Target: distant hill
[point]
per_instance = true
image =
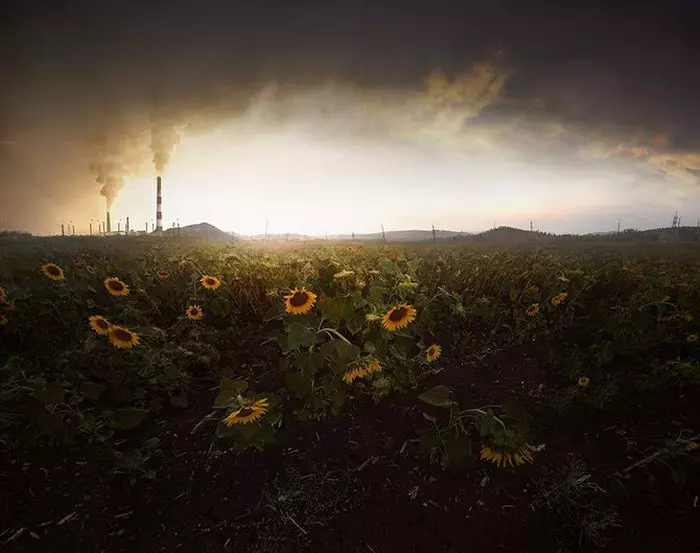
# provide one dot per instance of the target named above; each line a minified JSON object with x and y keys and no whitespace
{"x":202,"y":230}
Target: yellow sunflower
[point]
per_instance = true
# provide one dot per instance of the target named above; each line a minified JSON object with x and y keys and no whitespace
{"x":361,"y":371}
{"x":210,"y":282}
{"x":122,"y":338}
{"x":299,"y":301}
{"x":584,"y":381}
{"x":514,"y":458}
{"x":560,"y":297}
{"x":116,"y":287}
{"x":433,"y":353}
{"x":692,"y":338}
{"x":99,"y":324}
{"x":398,"y":317}
{"x":533,"y":310}
{"x":53,"y":271}
{"x":163,"y":274}
{"x":194,"y":313}
{"x":3,"y":320}
{"x":248,"y":413}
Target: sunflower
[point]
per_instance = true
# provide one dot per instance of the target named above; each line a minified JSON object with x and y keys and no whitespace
{"x":687,"y":317}
{"x":299,"y":301}
{"x":533,"y":310}
{"x":361,"y":371}
{"x":116,"y":287}
{"x":692,"y":338}
{"x":5,"y":305}
{"x":3,"y":320}
{"x":122,"y":338}
{"x":398,"y":317}
{"x":248,"y":413}
{"x":584,"y":381}
{"x":53,"y":271}
{"x":514,"y":458}
{"x":163,"y":274}
{"x":99,"y":324}
{"x":433,"y":353}
{"x":371,"y":317}
{"x":210,"y":282}
{"x":90,"y":269}
{"x":560,"y":297}
{"x":194,"y":313}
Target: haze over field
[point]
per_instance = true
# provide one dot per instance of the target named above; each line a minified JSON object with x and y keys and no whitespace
{"x":331,"y":117}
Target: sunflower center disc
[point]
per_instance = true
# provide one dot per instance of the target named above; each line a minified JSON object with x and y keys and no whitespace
{"x":299,"y":299}
{"x":397,"y":314}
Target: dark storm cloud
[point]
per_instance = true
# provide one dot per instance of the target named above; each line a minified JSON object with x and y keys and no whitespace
{"x":92,"y":74}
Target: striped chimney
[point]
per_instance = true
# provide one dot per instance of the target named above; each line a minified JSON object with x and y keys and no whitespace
{"x":159,"y":206}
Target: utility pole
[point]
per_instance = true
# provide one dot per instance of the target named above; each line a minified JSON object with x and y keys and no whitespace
{"x":434,"y":238}
{"x":618,"y":226}
{"x":383,"y":234}
{"x":530,"y":225}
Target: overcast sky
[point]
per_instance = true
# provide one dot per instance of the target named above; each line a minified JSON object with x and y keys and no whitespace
{"x":338,"y":116}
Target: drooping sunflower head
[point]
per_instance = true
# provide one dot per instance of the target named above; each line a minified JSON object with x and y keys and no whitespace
{"x":116,"y":287}
{"x":299,"y":301}
{"x":99,"y":324}
{"x":559,"y":298}
{"x":433,"y":353}
{"x":53,"y":271}
{"x":512,"y":456}
{"x":248,"y":413}
{"x":122,"y":338}
{"x":194,"y":313}
{"x":210,"y":282}
{"x":692,"y":338}
{"x":533,"y":310}
{"x":3,"y":320}
{"x":584,"y":381}
{"x":398,"y":317}
{"x":163,"y":274}
{"x":360,"y":371}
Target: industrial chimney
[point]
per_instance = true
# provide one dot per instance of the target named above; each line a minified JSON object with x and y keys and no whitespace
{"x":159,"y":206}
{"x":127,"y":225}
{"x":109,"y":224}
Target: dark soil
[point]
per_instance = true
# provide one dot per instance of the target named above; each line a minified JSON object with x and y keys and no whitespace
{"x":360,"y":484}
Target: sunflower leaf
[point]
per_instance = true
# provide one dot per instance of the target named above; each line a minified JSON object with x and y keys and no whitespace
{"x":438,"y":396}
{"x":91,"y":390}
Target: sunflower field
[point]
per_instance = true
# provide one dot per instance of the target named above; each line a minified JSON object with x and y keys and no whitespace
{"x":538,"y":399}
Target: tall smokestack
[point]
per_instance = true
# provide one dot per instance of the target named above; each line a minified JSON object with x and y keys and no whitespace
{"x":127,"y":225}
{"x":109,"y":224}
{"x":159,"y":206}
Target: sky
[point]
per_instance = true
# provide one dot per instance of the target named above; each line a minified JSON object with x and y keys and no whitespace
{"x":340,"y":116}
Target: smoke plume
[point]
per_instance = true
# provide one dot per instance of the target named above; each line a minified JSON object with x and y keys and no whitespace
{"x":165,"y":135}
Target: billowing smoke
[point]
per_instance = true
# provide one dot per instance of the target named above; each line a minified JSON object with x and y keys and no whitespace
{"x":118,"y":149}
{"x":165,"y":135}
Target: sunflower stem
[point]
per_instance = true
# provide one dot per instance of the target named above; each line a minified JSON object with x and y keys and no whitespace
{"x":336,"y":333}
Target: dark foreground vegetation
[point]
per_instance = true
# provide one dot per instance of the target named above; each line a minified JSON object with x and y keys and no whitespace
{"x":406,"y":398}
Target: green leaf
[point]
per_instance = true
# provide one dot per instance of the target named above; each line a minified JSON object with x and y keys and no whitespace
{"x":91,"y":390}
{"x":225,"y":431}
{"x":438,"y":396}
{"x":275,"y":311}
{"x":514,"y":410}
{"x":386,"y":267}
{"x":228,"y":391}
{"x":339,"y":309}
{"x":129,"y":417}
{"x":299,"y":335}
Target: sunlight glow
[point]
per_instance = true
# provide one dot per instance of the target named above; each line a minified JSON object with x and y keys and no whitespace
{"x":237,"y":176}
